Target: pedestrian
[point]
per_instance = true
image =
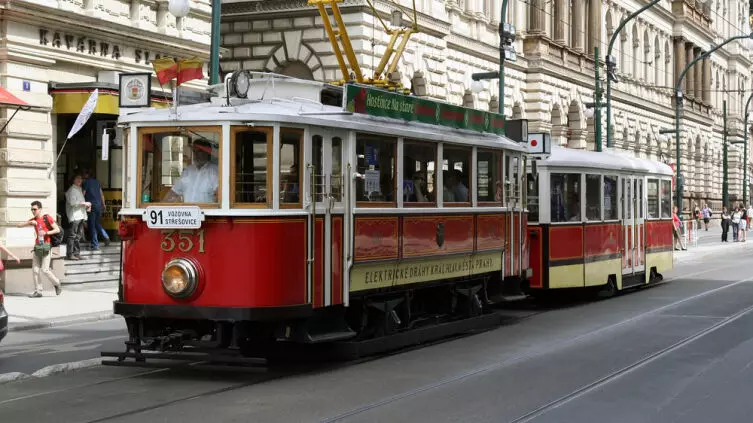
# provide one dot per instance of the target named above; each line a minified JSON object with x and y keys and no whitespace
{"x":44,"y":226}
{"x":736,"y":224}
{"x":676,"y":230}
{"x":76,"y":209}
{"x":726,"y":218}
{"x":750,"y":216}
{"x":743,"y":224}
{"x":706,"y":212}
{"x":94,"y":195}
{"x":8,"y":252}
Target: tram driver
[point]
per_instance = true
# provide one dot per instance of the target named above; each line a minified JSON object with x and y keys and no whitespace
{"x":199,"y":181}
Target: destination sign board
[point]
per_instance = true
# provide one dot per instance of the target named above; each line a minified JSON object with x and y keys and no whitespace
{"x":375,"y":102}
{"x":178,"y":217}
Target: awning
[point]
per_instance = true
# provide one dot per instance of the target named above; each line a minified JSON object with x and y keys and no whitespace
{"x":8,"y":99}
{"x":70,"y":98}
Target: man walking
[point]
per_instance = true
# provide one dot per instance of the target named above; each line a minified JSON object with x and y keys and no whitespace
{"x":76,"y":211}
{"x":44,"y":226}
{"x":94,"y":195}
{"x":706,"y":212}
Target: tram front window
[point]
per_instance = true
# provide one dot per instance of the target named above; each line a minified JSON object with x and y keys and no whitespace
{"x":180,"y":166}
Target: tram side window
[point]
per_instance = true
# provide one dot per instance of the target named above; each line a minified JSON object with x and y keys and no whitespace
{"x":666,"y":199}
{"x":532,"y":182}
{"x":456,"y":174}
{"x":419,"y":173}
{"x":180,"y":166}
{"x":376,"y":162}
{"x":290,"y":161}
{"x":593,"y":197}
{"x":565,"y":201}
{"x":610,"y":198}
{"x":512,"y":179}
{"x":653,"y":198}
{"x":489,"y":176}
{"x":251,"y":148}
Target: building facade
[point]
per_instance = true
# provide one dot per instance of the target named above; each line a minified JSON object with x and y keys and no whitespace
{"x":553,"y":76}
{"x":54,"y":55}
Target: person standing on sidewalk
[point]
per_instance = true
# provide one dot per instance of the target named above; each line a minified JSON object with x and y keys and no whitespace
{"x":706,"y":212}
{"x":94,"y":195}
{"x":750,"y":215}
{"x":676,"y":229}
{"x":44,"y":226}
{"x":736,"y":223}
{"x":743,"y":224}
{"x":725,"y":223}
{"x":77,"y":207}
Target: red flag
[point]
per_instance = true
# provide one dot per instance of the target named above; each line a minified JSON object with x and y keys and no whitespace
{"x":190,"y":69}
{"x":165,"y":68}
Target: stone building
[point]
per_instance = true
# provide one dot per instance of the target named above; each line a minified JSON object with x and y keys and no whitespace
{"x":553,"y":76}
{"x":53,"y":55}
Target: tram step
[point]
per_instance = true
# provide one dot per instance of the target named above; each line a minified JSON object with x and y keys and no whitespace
{"x":102,"y":261}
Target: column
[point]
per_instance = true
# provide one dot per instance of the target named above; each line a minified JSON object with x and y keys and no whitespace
{"x":577,"y":25}
{"x":536,"y":17}
{"x":706,"y":81}
{"x":495,"y":12}
{"x":679,"y":57}
{"x":689,"y":82}
{"x":698,"y":76}
{"x":469,"y":6}
{"x":559,"y":21}
{"x":594,"y":26}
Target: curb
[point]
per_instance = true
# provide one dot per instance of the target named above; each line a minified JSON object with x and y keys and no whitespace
{"x":713,"y":251}
{"x":51,"y":370}
{"x":85,"y":318}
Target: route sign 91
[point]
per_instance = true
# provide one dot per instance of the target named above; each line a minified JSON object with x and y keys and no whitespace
{"x":175,"y":217}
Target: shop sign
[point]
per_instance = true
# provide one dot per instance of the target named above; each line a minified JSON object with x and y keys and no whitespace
{"x":113,"y":203}
{"x":93,"y":47}
{"x":376,"y":102}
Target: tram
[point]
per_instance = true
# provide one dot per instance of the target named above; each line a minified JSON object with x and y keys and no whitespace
{"x":296,"y":211}
{"x":600,"y":220}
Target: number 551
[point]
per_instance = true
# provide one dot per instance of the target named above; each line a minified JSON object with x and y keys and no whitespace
{"x":185,"y":240}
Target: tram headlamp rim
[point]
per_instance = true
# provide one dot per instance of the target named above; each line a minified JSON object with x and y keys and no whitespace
{"x":237,"y":81}
{"x":189,"y":272}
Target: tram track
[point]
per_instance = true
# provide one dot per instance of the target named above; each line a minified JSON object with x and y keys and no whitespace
{"x":275,"y":374}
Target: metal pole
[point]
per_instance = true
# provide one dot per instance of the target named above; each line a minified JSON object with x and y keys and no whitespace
{"x":597,"y":100}
{"x":214,"y":52}
{"x":678,"y":107}
{"x":502,"y":20}
{"x":745,"y":154}
{"x":725,"y":168}
{"x":610,"y":141}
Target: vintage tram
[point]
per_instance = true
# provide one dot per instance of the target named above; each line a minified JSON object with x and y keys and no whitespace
{"x":297,"y":211}
{"x":600,"y":220}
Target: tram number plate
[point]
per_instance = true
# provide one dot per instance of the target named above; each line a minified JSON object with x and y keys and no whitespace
{"x":179,"y":217}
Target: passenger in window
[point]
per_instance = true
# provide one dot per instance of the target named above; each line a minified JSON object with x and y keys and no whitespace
{"x":290,"y":192}
{"x":575,"y":212}
{"x":459,"y":191}
{"x":199,"y":181}
{"x":418,"y":191}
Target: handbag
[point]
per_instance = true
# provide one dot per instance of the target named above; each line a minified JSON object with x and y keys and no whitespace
{"x":41,"y":250}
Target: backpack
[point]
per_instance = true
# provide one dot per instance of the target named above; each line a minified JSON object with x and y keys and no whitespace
{"x":55,"y":239}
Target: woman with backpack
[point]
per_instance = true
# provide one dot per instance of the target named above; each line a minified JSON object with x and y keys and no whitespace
{"x":45,"y":228}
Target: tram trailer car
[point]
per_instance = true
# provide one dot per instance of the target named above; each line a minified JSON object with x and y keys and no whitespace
{"x":601,"y":220}
{"x":282,"y":216}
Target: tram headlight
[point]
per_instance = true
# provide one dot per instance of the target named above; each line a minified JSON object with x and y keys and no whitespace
{"x":180,"y":278}
{"x":239,"y":83}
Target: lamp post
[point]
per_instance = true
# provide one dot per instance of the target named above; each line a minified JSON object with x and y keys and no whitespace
{"x":506,"y":51}
{"x":180,"y":9}
{"x":678,"y":107}
{"x":612,"y":65}
{"x":745,"y":149}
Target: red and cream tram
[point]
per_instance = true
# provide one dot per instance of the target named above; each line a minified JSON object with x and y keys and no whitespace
{"x":300,"y":211}
{"x":598,"y":220}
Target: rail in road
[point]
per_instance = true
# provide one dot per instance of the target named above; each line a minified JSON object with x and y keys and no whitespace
{"x":528,"y":371}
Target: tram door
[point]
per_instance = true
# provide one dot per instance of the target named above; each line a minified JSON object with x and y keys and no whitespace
{"x":632,"y":222}
{"x":638,"y":228}
{"x":328,"y":234}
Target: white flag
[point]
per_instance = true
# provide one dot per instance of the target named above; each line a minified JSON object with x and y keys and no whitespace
{"x":85,"y":114}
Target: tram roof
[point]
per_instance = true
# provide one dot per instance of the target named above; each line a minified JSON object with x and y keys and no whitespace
{"x":611,"y":159}
{"x":304,"y":113}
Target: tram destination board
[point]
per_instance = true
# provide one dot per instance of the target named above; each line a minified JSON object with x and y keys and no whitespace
{"x":175,"y":217}
{"x":380,"y":103}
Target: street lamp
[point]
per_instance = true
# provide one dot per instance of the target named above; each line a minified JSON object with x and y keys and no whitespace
{"x":178,"y":8}
{"x":678,"y":107}
{"x":477,"y":86}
